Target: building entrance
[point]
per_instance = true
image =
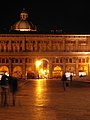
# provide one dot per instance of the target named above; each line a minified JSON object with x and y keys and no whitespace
{"x":57,"y":72}
{"x":42,"y":68}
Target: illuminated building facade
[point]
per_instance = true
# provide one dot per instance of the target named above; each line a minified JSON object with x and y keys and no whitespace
{"x":32,"y":55}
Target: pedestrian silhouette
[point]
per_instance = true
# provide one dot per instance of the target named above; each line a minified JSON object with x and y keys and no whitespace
{"x":13,"y":83}
{"x":71,"y":77}
{"x":64,"y":81}
{"x":4,"y":90}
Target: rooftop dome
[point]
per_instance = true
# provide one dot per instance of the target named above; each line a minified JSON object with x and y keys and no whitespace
{"x":23,"y":24}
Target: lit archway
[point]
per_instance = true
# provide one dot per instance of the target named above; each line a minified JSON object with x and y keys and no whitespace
{"x":83,"y":70}
{"x":17,"y":72}
{"x":42,"y":68}
{"x":4,"y":70}
{"x":57,"y":72}
{"x":30,"y":73}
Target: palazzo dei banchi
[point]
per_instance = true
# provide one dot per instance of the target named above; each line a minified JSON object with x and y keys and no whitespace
{"x":26,"y":53}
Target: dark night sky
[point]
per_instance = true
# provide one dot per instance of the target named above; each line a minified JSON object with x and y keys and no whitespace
{"x":70,"y":16}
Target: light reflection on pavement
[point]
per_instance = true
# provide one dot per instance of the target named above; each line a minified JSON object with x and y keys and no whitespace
{"x":41,"y":86}
{"x":43,"y":99}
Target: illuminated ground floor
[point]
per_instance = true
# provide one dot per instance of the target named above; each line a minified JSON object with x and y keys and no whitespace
{"x":45,"y":67}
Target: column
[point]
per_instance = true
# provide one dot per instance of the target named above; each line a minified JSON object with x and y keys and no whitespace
{"x":23,"y":44}
{"x":23,"y":68}
{"x":64,"y":65}
{"x":10,"y":45}
{"x":77,"y":47}
{"x":77,"y":71}
{"x":50,"y":68}
{"x":50,"y":43}
{"x":36,"y":46}
{"x":10,"y":66}
{"x":64,"y":45}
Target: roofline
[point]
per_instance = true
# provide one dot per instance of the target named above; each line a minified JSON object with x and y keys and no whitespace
{"x":32,"y":33}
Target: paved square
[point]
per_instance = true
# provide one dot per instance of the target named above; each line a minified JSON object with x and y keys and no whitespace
{"x":47,"y":100}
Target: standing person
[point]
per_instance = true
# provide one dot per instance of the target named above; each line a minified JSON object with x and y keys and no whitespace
{"x":64,"y":81}
{"x":71,"y":77}
{"x":13,"y":83}
{"x":4,"y":90}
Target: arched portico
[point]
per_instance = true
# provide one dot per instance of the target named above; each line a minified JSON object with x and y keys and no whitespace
{"x":17,"y":71}
{"x":42,"y":68}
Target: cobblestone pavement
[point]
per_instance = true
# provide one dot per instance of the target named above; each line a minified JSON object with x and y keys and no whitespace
{"x":46,"y":100}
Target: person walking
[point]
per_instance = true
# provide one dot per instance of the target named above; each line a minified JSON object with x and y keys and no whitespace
{"x":13,"y":83}
{"x":4,"y":90}
{"x":64,"y":81}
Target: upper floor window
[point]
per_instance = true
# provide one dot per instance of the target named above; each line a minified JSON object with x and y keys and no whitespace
{"x":70,"y":60}
{"x":57,"y":60}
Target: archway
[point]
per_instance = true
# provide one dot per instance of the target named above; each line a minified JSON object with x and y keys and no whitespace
{"x":57,"y":72}
{"x":30,"y":73}
{"x":17,"y":72}
{"x":83,"y":70}
{"x":70,"y":70}
{"x":4,"y":70}
{"x":42,"y":68}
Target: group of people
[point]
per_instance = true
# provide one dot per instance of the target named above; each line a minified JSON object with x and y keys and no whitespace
{"x":8,"y":84}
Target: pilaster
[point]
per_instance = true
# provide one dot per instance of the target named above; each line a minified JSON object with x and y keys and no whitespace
{"x":50,"y":68}
{"x":23,"y":68}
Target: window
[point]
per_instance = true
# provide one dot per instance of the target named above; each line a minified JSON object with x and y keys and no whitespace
{"x":57,"y":60}
{"x":83,"y":60}
{"x":70,"y":60}
{"x":3,"y":60}
{"x":16,"y":60}
{"x":7,"y":61}
{"x":79,"y":60}
{"x":66,"y":60}
{"x":61,"y":60}
{"x":20,"y":60}
{"x":87,"y":60}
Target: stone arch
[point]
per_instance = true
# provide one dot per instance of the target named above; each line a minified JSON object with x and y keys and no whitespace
{"x":57,"y":71}
{"x":4,"y":70}
{"x":71,"y":69}
{"x":45,"y":59}
{"x":30,"y":73}
{"x":57,"y":68}
{"x":17,"y":71}
{"x":83,"y":70}
{"x":43,"y":69}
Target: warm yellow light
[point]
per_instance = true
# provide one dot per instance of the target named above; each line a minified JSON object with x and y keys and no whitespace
{"x":44,"y":71}
{"x":38,"y":63}
{"x":47,"y":71}
{"x":41,"y":70}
